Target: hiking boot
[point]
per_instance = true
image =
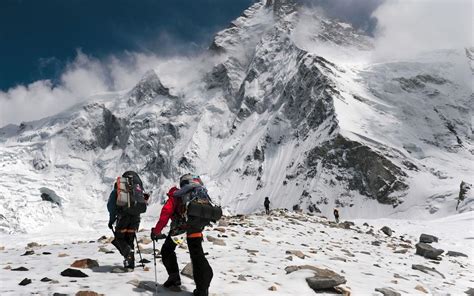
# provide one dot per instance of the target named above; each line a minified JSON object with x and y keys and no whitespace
{"x":173,"y":280}
{"x":197,"y":292}
{"x":129,"y":262}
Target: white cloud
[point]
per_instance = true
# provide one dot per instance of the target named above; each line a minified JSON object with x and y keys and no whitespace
{"x":82,"y":78}
{"x":409,"y":27}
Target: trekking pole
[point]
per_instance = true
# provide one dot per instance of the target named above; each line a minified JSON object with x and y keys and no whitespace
{"x":154,"y":262}
{"x":139,"y":253}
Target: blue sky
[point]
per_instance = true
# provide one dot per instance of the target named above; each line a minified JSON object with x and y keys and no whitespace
{"x":39,"y":38}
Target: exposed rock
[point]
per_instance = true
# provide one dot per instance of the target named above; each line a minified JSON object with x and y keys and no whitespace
{"x":20,"y":269}
{"x":104,"y":250}
{"x":144,"y":241}
{"x":470,"y":291}
{"x":387,"y":291}
{"x":70,"y":272}
{"x":25,"y":281}
{"x":387,"y":230}
{"x":428,"y":251}
{"x":297,"y":253}
{"x":272,"y":288}
{"x":144,"y":260}
{"x":32,"y":245}
{"x":216,"y":241}
{"x":45,"y":279}
{"x":324,"y":279}
{"x":421,"y":289}
{"x":242,"y":278}
{"x":63,"y":255}
{"x":28,"y":253}
{"x":85,"y":263}
{"x":188,"y":270}
{"x":376,"y":243}
{"x":455,"y":254}
{"x":2,"y":248}
{"x":428,"y":238}
{"x":46,"y":253}
{"x":105,"y":240}
{"x":425,"y":269}
{"x":88,"y":293}
{"x":7,"y":267}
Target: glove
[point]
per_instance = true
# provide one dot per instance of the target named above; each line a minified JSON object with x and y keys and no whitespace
{"x":155,"y":236}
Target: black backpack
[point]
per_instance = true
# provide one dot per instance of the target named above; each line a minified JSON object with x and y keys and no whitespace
{"x":130,"y":196}
{"x":196,"y":211}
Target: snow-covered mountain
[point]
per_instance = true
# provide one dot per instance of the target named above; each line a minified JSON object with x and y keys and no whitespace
{"x":286,"y":103}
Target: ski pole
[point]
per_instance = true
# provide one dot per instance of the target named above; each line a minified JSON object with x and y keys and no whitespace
{"x":154,"y":261}
{"x":139,"y":253}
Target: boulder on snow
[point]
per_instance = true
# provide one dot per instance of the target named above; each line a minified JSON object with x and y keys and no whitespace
{"x":455,"y":254}
{"x":70,"y":272}
{"x":387,"y":291}
{"x":324,"y":279}
{"x":45,"y":280}
{"x":428,"y":238}
{"x":387,"y":230}
{"x":426,"y":269}
{"x":297,"y":253}
{"x":428,"y":251}
{"x":88,"y":293}
{"x":85,"y":263}
{"x":188,"y":270}
{"x":25,"y":281}
{"x":32,"y":245}
{"x":28,"y":253}
{"x":21,"y":268}
{"x":469,"y":292}
{"x":216,"y":241}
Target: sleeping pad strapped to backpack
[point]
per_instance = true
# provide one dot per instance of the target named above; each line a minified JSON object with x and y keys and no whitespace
{"x":130,"y":197}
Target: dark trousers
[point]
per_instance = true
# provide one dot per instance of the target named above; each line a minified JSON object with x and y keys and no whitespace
{"x":125,"y":230}
{"x":267,"y":210}
{"x":202,"y":271}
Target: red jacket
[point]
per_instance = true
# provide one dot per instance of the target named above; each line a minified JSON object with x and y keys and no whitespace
{"x":167,"y":212}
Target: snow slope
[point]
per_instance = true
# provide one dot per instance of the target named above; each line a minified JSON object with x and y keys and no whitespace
{"x":254,"y":258}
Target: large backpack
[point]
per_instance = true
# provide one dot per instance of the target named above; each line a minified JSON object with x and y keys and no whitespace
{"x":196,"y":211}
{"x":130,"y":197}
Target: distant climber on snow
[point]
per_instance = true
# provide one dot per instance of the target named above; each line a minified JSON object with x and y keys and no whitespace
{"x":190,"y":209}
{"x":126,"y":202}
{"x":266,"y":203}
{"x":336,"y":215}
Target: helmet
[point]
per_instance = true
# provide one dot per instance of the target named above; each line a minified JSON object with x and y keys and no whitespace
{"x":189,"y":178}
{"x":185,"y":179}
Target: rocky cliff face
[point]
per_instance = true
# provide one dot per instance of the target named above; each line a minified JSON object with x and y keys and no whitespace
{"x":267,"y":116}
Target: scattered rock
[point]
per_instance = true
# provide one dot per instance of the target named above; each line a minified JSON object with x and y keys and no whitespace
{"x":292,"y":268}
{"x":32,"y":245}
{"x":87,"y":293}
{"x":188,"y":270}
{"x":220,"y":229}
{"x":242,"y":278}
{"x":62,"y":255}
{"x":119,"y":270}
{"x":387,"y":230}
{"x":387,"y":291}
{"x":46,"y":253}
{"x":45,"y":280}
{"x":70,"y":272}
{"x":297,"y":253}
{"x":421,"y":289}
{"x":28,"y":253}
{"x":104,"y":250}
{"x":428,"y":238}
{"x":144,"y":261}
{"x":425,"y":269}
{"x":7,"y":267}
{"x":401,"y":251}
{"x":455,"y":254}
{"x":345,"y":291}
{"x":25,"y":281}
{"x":85,"y":263}
{"x":365,"y":252}
{"x":376,"y":243}
{"x":2,"y":248}
{"x":428,"y":251}
{"x":20,"y":269}
{"x":105,"y":240}
{"x":144,"y":241}
{"x":470,"y":291}
{"x":60,"y":294}
{"x":216,"y":241}
{"x":272,"y":288}
{"x":324,"y":279}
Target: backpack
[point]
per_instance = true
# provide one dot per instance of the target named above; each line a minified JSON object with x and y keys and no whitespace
{"x":130,"y":197}
{"x":196,"y":211}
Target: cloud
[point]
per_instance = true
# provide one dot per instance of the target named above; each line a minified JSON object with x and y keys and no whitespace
{"x":81,"y":78}
{"x":409,"y":27}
